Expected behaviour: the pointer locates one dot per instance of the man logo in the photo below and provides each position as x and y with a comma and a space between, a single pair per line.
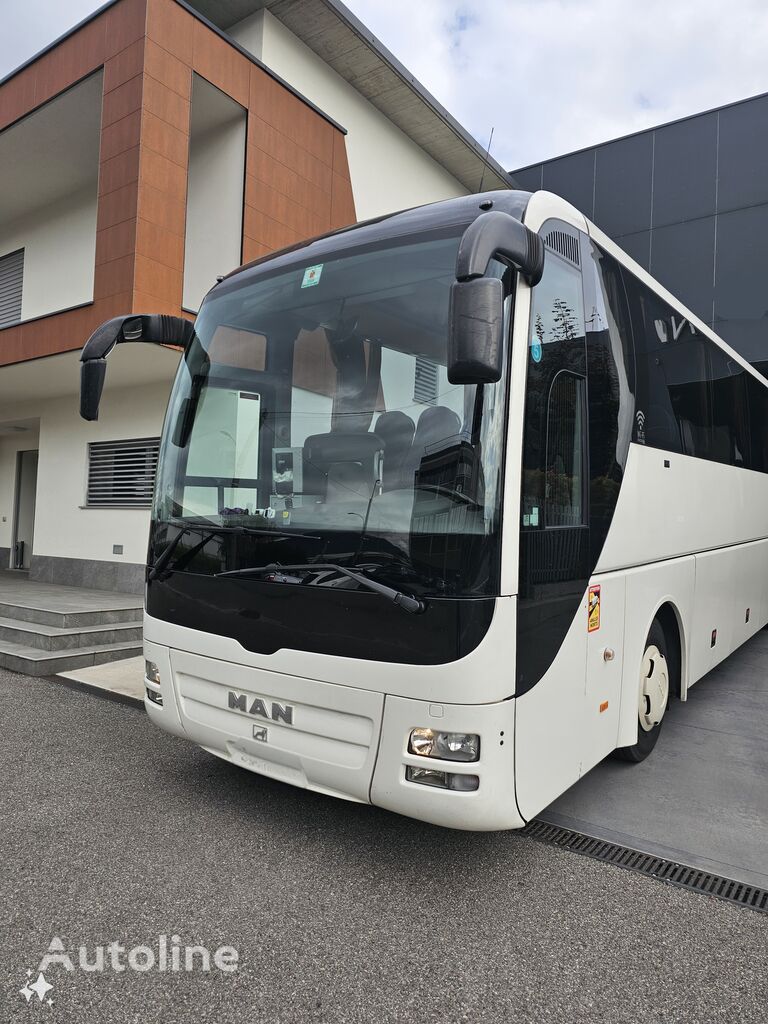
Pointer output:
278, 712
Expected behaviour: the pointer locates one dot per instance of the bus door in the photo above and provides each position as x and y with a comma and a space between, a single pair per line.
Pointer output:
610, 411
552, 636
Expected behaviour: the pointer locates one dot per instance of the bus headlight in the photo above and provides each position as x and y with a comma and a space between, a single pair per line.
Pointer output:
152, 672
448, 746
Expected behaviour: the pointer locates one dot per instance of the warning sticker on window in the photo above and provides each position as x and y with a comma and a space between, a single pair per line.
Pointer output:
312, 276
593, 609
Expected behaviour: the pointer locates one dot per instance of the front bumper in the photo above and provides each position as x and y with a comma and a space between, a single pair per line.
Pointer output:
341, 741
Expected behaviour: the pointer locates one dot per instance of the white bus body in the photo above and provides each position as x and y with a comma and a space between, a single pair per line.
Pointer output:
681, 541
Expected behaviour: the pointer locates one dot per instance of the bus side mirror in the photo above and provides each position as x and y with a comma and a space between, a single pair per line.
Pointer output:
476, 331
155, 329
92, 375
476, 318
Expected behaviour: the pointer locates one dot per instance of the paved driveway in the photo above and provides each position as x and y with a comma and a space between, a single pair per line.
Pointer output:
114, 832
702, 795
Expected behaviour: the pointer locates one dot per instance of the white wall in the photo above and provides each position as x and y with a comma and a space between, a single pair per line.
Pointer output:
59, 243
389, 171
62, 526
215, 191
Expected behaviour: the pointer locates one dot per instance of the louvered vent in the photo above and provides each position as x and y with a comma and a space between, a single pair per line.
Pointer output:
425, 381
121, 474
565, 245
11, 282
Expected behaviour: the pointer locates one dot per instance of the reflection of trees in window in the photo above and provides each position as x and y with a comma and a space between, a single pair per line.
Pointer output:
564, 321
539, 329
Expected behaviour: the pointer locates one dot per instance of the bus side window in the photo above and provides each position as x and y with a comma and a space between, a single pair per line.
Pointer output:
554, 455
564, 474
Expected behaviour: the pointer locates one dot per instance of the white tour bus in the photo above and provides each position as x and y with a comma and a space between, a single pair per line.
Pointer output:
450, 505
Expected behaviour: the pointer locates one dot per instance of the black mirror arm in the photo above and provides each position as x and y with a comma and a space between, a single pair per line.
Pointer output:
153, 328
497, 234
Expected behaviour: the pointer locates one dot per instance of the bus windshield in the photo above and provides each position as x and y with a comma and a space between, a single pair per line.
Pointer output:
312, 421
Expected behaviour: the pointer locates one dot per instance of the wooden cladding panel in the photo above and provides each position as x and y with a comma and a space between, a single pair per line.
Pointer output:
297, 175
120, 153
124, 66
163, 138
63, 332
167, 69
89, 48
171, 27
120, 136
219, 63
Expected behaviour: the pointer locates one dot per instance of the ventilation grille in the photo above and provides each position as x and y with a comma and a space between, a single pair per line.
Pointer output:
11, 282
425, 381
656, 867
122, 473
565, 245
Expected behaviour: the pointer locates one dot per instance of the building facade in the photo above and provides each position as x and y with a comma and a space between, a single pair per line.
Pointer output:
158, 145
689, 202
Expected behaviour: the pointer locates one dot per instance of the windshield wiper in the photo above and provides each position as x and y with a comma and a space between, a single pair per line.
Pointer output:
167, 553
407, 602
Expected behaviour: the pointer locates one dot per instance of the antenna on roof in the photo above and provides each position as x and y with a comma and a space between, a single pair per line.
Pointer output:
487, 155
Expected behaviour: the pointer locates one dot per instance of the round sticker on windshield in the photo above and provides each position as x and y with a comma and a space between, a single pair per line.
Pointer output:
536, 351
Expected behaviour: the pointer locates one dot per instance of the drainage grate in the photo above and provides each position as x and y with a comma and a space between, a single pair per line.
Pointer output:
656, 867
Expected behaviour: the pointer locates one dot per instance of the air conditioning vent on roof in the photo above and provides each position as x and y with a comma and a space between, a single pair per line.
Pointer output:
564, 245
11, 283
121, 474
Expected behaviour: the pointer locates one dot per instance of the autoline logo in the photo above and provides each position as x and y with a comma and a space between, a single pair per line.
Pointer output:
166, 954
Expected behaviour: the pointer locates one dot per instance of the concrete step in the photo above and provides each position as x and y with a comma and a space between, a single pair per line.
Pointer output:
33, 661
58, 638
50, 614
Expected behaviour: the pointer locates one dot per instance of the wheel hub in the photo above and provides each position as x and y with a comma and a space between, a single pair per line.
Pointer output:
654, 688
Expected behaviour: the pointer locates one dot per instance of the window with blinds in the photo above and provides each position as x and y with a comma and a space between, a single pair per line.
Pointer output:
11, 282
121, 474
425, 381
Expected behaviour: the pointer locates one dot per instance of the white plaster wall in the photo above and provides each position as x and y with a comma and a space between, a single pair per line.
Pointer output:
216, 185
62, 526
389, 171
59, 243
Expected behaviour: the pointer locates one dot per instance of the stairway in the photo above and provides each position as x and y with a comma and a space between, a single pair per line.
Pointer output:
46, 629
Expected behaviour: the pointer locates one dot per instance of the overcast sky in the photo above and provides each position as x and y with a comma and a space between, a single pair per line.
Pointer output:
550, 75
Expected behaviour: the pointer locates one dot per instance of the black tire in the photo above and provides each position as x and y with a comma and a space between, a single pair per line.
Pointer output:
647, 738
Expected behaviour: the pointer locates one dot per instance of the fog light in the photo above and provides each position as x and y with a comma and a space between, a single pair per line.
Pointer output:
154, 697
152, 672
449, 746
442, 780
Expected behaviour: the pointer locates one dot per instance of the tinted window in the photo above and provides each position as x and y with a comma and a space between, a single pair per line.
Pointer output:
564, 468
655, 419
556, 345
692, 396
757, 405
611, 386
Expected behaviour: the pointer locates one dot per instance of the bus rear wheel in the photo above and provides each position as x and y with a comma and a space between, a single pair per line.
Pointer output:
653, 696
